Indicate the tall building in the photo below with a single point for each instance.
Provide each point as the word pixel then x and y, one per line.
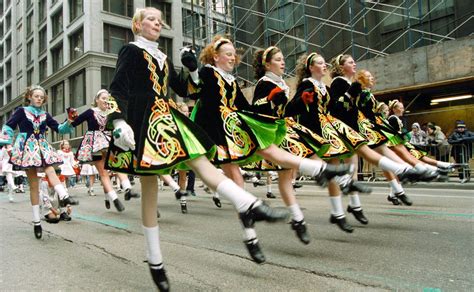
pixel 70 46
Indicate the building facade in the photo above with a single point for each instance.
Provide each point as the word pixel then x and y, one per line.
pixel 70 47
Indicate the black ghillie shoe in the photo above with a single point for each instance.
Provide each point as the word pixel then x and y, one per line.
pixel 255 251
pixel 65 217
pixel 258 183
pixel 404 199
pixel 358 214
pixel 129 194
pixel 217 202
pixel 341 223
pixel 118 205
pixel 53 220
pixel 178 194
pixel 270 195
pixel 159 277
pixel 330 171
pixel 107 204
pixel 355 186
pixel 297 185
pixel 37 230
pixel 301 232
pixel 394 200
pixel 262 212
pixel 184 207
pixel 68 201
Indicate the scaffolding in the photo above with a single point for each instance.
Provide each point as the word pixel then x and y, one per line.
pixel 363 28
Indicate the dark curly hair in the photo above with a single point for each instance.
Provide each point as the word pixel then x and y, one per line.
pixel 29 92
pixel 259 63
pixel 337 63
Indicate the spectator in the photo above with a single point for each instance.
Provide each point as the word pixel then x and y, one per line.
pixel 418 136
pixel 438 142
pixel 461 151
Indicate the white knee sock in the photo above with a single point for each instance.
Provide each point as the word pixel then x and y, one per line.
pixel 269 188
pixel 354 200
pixel 126 185
pixel 36 213
pixel 238 197
pixel 395 187
pixel 112 195
pixel 390 165
pixel 311 167
pixel 296 212
pixel 152 241
pixel 336 206
pixel 420 166
pixel 431 167
pixel 443 164
pixel 249 233
pixel 61 190
pixel 174 185
pixel 10 181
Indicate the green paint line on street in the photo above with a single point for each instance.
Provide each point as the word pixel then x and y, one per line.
pixel 427 289
pixel 416 212
pixel 101 221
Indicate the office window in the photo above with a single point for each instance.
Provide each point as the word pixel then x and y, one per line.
pixel 57 22
pixel 29 77
pixel 57 56
pixel 42 5
pixel 106 76
pixel 77 89
pixel 8 44
pixel 115 37
pixel 19 34
pixel 8 21
pixel 75 9
pixel 8 92
pixel 76 45
pixel 43 69
pixel 1 78
pixel 29 3
pixel 57 99
pixel 29 52
pixel 1 29
pixel 2 119
pixel 166 46
pixel 8 69
pixel 164 7
pixel 42 35
pixel 122 7
pixel 29 24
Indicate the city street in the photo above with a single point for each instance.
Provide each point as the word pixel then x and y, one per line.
pixel 425 247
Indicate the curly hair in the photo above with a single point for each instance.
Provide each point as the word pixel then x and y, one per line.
pixel 360 77
pixel 337 63
pixel 302 66
pixel 261 58
pixel 393 104
pixel 207 54
pixel 29 92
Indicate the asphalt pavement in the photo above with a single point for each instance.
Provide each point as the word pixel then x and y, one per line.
pixel 424 247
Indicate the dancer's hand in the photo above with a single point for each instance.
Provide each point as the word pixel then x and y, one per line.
pixel 188 58
pixel 355 89
pixel 71 114
pixel 123 135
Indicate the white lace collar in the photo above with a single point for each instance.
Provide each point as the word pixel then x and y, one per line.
pixel 228 77
pixel 319 84
pixel 277 80
pixel 152 48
